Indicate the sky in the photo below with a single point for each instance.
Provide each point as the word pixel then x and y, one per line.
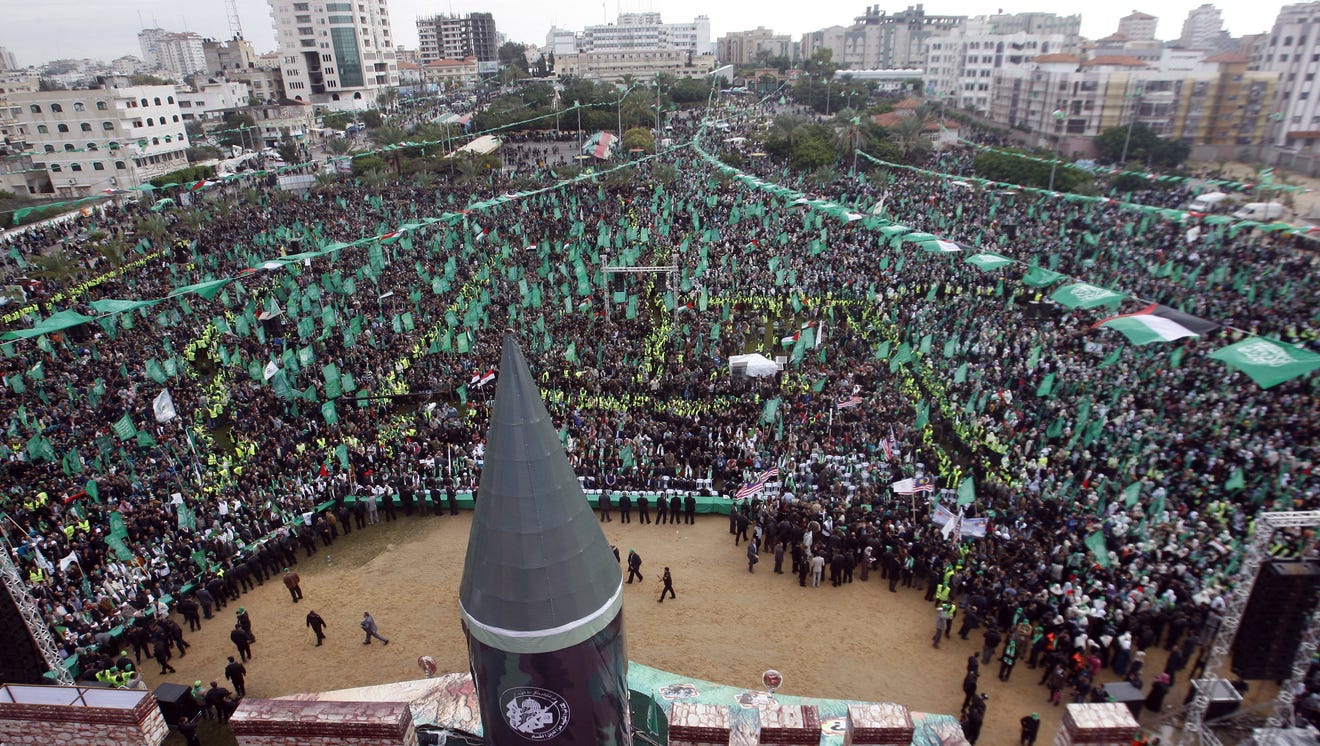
pixel 52 29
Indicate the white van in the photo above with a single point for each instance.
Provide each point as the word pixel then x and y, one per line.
pixel 1210 202
pixel 1260 211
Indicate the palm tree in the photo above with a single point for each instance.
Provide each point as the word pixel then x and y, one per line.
pixel 386 99
pixel 851 139
pixel 338 145
pixel 57 267
pixel 325 181
pixel 909 135
pixel 194 221
pixel 375 178
pixel 115 251
pixel 387 138
pixel 469 168
pixel 153 227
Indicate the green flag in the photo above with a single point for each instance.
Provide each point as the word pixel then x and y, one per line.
pixel 1131 494
pixel 988 261
pixel 1266 361
pixel 1046 386
pixel 967 492
pixel 769 410
pixel 1086 295
pixel 1236 481
pixel 1038 277
pixel 328 412
pixel 1096 543
pixel 124 427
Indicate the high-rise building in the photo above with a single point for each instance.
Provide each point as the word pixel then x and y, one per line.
pixel 335 54
pixel 1138 26
pixel 1289 50
pixel 7 60
pixel 453 37
pixel 1202 29
pixel 179 53
pixel 879 39
pixel 744 47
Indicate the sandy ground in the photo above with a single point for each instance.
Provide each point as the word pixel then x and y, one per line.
pixel 858 641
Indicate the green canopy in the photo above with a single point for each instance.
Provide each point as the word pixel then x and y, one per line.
pixel 54 323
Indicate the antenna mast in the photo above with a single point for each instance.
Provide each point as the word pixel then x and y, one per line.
pixel 235 25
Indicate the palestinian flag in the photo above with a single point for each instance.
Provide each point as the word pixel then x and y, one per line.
pixel 391 237
pixel 793 338
pixel 204 183
pixel 1156 323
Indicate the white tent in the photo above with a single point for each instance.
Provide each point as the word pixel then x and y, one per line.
pixel 753 365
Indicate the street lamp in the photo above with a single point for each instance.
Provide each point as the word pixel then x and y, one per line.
pixel 1059 115
pixel 1136 108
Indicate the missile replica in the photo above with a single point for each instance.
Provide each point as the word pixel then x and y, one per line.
pixel 542 594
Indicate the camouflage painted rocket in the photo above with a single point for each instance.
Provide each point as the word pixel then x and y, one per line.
pixel 542 594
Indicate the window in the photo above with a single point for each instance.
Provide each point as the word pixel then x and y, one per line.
pixel 91 146
pixel 61 128
pixel 155 141
pixel 98 166
pixel 101 106
pixel 300 6
pixel 169 99
pixel 176 117
pixel 119 166
pixel 302 19
pixel 56 108
pixel 157 100
pixel 43 129
pixel 78 106
pixel 50 148
pixel 75 166
pixel 86 126
pixel 55 168
pixel 305 30
pixel 35 109
pixel 144 102
pixel 68 146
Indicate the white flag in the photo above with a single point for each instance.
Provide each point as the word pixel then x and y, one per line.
pixel 163 407
pixel 68 560
pixel 271 370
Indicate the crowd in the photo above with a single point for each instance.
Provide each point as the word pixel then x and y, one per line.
pixel 307 367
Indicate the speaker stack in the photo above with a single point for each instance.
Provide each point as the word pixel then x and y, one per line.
pixel 1277 615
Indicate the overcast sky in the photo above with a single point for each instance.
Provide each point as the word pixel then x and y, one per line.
pixel 53 29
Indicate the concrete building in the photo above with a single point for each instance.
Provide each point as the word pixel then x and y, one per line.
pixel 128 65
pixel 179 53
pixel 879 39
pixel 1291 50
pixel 1221 104
pixel 1202 29
pixel 273 122
pixel 8 62
pixel 640 64
pixel 961 61
pixel 225 56
pixel 331 55
pixel 744 47
pixel 115 137
pixel 207 100
pixel 634 32
pixel 1138 26
pixel 453 37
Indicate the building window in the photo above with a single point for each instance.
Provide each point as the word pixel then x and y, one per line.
pixel 56 108
pixel 36 109
pixel 78 106
pixel 98 166
pixel 43 129
pixel 91 146
pixel 150 121
pixel 119 166
pixel 50 148
pixel 101 106
pixel 75 166
pixel 86 126
pixel 157 100
pixel 61 128
pixel 144 102
pixel 68 146
pixel 169 99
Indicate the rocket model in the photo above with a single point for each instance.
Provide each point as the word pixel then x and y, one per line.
pixel 542 594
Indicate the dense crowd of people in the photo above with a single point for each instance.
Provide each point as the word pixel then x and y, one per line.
pixel 362 372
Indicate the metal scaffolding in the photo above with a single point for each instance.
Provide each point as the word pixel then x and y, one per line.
pixel 36 626
pixel 1195 729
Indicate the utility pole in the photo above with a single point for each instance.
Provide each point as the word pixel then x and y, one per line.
pixel 1059 115
pixel 1136 107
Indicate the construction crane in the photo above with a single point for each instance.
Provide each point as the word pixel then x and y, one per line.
pixel 235 25
pixel 36 625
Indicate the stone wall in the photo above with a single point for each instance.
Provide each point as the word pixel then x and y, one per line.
pixel 283 722
pixel 77 723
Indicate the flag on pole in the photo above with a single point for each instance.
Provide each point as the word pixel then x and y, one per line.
pixel 271 370
pixel 124 427
pixel 911 486
pixel 1156 323
pixel 163 407
pixel 758 484
pixel 486 378
pixel 851 401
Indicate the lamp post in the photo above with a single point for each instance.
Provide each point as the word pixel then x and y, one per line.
pixel 1136 108
pixel 1059 115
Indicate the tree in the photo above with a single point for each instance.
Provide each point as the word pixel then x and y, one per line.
pixel 909 135
pixel 57 267
pixel 387 98
pixel 372 118
pixel 338 145
pixel 639 138
pixel 1144 146
pixel 388 139
pixel 236 131
pixel 289 149
pixel 513 56
pixel 115 251
pixel 144 79
pixel 337 120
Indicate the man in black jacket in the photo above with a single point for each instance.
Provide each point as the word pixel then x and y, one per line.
pixel 634 566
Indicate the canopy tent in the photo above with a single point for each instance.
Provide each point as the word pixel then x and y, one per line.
pixel 484 145
pixel 754 365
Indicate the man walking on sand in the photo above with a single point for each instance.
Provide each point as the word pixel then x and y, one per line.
pixel 669 587
pixel 317 624
pixel 369 626
pixel 292 581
